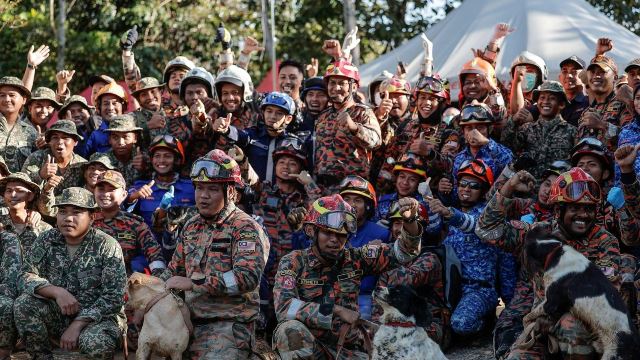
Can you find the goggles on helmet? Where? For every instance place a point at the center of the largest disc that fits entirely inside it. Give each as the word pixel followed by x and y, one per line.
pixel 292 142
pixel 204 170
pixel 475 112
pixel 430 84
pixel 337 220
pixel 167 139
pixel 477 168
pixel 354 182
pixel 590 143
pixel 576 190
pixel 558 167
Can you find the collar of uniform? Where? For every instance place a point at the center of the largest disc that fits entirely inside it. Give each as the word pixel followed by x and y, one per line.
pixel 222 215
pixel 163 185
pixel 606 101
pixel 59 240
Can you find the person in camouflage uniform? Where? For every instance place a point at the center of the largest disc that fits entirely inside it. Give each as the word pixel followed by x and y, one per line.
pixel 575 222
pixel 21 196
pixel 17 138
pixel 10 267
pixel 126 154
pixel 77 110
pixel 548 138
pixel 316 289
pixel 58 166
pixel 40 108
pixel 150 115
pixel 218 262
pixel 73 285
pixel 131 232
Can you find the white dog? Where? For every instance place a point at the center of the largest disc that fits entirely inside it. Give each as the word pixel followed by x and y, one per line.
pixel 166 327
pixel 575 285
pixel 401 335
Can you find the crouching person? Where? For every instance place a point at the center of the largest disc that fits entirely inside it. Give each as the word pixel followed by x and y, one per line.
pixel 316 289
pixel 73 283
pixel 10 266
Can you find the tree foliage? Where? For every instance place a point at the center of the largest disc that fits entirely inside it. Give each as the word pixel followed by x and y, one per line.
pixel 626 13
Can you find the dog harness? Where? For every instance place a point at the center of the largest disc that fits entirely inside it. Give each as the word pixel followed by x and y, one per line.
pixel 186 315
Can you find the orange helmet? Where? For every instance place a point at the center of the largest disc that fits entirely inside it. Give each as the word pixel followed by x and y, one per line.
pixel 482 67
pixel 412 163
pixel 477 169
pixel 354 184
pixel 395 85
pixel 575 187
pixel 332 213
pixel 342 68
pixel 115 90
pixel 168 142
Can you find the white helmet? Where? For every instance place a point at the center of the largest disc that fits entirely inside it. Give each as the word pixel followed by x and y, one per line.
pixel 237 76
pixel 197 75
pixel 526 57
pixel 385 75
pixel 180 62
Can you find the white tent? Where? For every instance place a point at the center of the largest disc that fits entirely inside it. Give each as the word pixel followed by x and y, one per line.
pixel 551 29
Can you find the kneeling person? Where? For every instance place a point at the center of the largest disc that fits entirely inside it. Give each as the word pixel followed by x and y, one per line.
pixel 74 283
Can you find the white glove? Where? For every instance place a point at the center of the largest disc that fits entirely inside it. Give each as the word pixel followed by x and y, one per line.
pixel 350 42
pixel 427 45
pixel 424 189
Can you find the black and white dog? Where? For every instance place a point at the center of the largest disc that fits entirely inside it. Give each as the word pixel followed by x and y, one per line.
pixel 574 284
pixel 401 335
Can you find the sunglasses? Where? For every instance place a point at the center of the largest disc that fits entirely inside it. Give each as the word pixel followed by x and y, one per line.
pixel 473 185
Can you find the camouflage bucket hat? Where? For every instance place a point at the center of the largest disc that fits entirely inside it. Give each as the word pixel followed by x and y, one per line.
pixel 21 178
pixel 123 123
pixel 44 93
pixel 4 169
pixel 76 196
pixel 552 87
pixel 114 178
pixel 16 83
pixel 63 126
pixel 74 99
pixel 146 84
pixel 98 158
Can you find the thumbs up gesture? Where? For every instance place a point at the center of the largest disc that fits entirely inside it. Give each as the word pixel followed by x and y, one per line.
pixel 139 162
pixel 197 108
pixel 345 119
pixel 167 198
pixel 41 143
pixel 144 192
pixel 222 124
pixel 49 168
pixel 385 107
pixel 421 146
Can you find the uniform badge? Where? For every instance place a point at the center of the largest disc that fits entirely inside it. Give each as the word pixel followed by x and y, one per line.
pixel 288 282
pixel 371 252
pixel 246 246
pixel 607 271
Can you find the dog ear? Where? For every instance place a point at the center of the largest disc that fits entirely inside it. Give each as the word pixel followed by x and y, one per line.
pixel 422 311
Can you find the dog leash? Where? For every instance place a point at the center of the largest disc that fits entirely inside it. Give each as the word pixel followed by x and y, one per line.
pixel 361 325
pixel 186 315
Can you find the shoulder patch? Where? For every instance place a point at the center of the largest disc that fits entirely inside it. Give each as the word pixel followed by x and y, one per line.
pixel 288 282
pixel 370 251
pixel 246 246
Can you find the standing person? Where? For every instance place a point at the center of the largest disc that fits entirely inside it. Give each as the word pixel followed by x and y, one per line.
pixel 528 71
pixel 17 138
pixel 577 101
pixel 150 115
pixel 478 82
pixel 40 108
pixel 316 290
pixel 10 269
pixel 630 134
pixel 74 282
pixel 218 262
pixel 316 100
pixel 234 89
pixel 290 78
pixel 125 152
pixel 77 110
pixel 347 132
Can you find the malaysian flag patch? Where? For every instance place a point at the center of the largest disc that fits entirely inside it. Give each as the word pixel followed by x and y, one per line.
pixel 246 246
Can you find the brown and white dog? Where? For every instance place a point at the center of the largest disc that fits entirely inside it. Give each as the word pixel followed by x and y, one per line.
pixel 165 331
pixel 575 285
pixel 401 335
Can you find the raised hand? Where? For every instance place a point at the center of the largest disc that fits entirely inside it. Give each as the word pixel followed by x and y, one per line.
pixel 129 38
pixel 502 30
pixel 222 124
pixel 157 121
pixel 332 48
pixel 49 168
pixel 409 208
pixel 139 161
pixel 312 68
pixel 386 104
pixel 41 143
pixel 603 45
pixel 35 58
pixel 626 156
pixel 522 182
pixel 63 78
pixel 144 192
pixel 251 45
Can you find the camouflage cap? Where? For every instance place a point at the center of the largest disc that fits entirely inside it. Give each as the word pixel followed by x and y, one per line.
pixel 74 99
pixel 604 62
pixel 76 196
pixel 21 178
pixel 44 93
pixel 114 178
pixel 4 169
pixel 146 84
pixel 98 158
pixel 552 87
pixel 16 83
pixel 632 63
pixel 63 126
pixel 123 123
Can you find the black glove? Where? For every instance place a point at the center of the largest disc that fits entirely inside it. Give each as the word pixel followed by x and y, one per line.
pixel 129 38
pixel 223 36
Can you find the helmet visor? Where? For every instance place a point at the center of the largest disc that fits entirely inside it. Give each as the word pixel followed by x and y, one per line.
pixel 337 221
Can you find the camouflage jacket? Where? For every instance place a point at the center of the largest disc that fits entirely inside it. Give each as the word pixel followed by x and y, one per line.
pixel 72 175
pixel 599 246
pixel 230 251
pixel 134 236
pixel 142 117
pixel 306 288
pixel 630 219
pixel 28 234
pixel 95 275
pixel 10 264
pixel 613 111
pixel 16 143
pixel 129 173
pixel 339 152
pixel 543 140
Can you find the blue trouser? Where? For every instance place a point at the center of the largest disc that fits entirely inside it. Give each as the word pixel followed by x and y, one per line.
pixel 476 302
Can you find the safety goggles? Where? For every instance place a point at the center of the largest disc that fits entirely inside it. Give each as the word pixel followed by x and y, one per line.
pixel 169 139
pixel 476 167
pixel 558 167
pixel 338 220
pixel 574 191
pixel 430 84
pixel 473 185
pixel 354 182
pixel 292 142
pixel 590 143
pixel 210 169
pixel 475 112
pixel 411 160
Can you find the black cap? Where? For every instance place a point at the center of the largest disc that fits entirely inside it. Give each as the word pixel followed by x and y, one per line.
pixel 574 59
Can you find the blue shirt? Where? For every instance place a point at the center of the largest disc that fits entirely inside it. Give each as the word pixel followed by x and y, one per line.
pixel 98 141
pixel 183 191
pixel 630 135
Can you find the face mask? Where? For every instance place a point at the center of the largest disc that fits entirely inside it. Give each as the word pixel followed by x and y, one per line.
pixel 529 81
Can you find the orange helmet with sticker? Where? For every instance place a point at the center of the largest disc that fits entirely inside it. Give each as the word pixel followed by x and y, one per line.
pixel 112 89
pixel 478 169
pixel 342 68
pixel 332 213
pixel 354 184
pixel 395 85
pixel 216 167
pixel 575 187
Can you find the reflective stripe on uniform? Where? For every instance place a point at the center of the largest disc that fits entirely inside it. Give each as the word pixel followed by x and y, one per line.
pixel 230 282
pixel 294 307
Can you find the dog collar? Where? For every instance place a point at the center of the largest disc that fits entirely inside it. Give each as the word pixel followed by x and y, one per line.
pixel 404 324
pixel 548 259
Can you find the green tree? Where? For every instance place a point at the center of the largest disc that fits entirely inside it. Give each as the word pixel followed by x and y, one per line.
pixel 625 13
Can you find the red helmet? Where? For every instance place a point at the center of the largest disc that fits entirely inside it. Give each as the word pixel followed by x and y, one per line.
pixel 575 187
pixel 354 184
pixel 168 142
pixel 332 213
pixel 395 85
pixel 342 68
pixel 412 163
pixel 433 85
pixel 477 169
pixel 291 146
pixel 216 167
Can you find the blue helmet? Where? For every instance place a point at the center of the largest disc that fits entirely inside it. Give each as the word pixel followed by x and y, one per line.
pixel 281 100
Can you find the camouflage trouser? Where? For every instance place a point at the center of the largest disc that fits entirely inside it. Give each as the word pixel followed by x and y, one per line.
pixel 293 341
pixel 7 327
pixel 509 324
pixel 225 340
pixel 40 320
pixel 476 303
pixel 629 288
pixel 574 340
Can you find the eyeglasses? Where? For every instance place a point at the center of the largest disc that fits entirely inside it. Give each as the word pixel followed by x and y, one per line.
pixel 476 167
pixel 430 83
pixel 475 112
pixel 337 220
pixel 574 191
pixel 210 169
pixel 473 185
pixel 354 182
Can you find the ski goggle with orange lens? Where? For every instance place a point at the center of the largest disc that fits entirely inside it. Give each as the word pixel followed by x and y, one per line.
pixel 576 190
